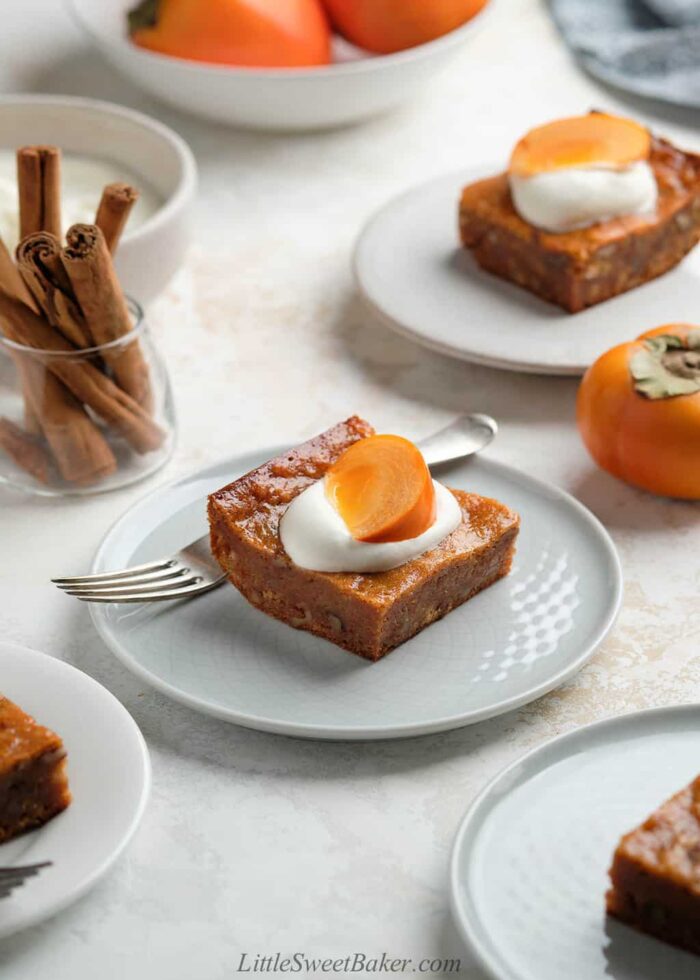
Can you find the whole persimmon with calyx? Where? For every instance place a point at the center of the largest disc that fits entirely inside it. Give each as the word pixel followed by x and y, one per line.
pixel 250 33
pixel 382 488
pixel 638 411
pixel 387 26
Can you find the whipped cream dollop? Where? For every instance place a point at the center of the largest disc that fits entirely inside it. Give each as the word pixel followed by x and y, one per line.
pixel 315 536
pixel 577 197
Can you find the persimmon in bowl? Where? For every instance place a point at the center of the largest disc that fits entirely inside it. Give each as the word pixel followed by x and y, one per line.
pixel 319 84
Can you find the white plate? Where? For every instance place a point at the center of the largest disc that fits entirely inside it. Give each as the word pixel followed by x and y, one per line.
pixel 109 774
pixel 508 645
pixel 530 862
pixel 412 271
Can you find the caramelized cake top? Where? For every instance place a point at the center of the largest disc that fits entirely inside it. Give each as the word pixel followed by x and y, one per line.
pixel 256 501
pixel 22 738
pixel 667 844
pixel 251 507
pixel 677 175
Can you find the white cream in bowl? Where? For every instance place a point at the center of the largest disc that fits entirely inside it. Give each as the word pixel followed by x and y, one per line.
pixel 82 182
pixel 140 149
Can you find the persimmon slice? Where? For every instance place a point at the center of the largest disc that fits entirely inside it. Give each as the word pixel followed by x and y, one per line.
pixel 581 141
pixel 382 488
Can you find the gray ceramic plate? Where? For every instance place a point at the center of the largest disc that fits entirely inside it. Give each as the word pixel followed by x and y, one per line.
pixel 529 867
pixel 411 270
pixel 507 646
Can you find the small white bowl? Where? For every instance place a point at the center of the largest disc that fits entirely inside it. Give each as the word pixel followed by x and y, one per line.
pixel 149 255
pixel 271 98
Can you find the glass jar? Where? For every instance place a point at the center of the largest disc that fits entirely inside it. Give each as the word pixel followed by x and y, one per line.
pixel 84 421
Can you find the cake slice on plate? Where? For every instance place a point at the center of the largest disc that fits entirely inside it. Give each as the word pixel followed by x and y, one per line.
pixel 371 552
pixel 655 873
pixel 33 782
pixel 590 207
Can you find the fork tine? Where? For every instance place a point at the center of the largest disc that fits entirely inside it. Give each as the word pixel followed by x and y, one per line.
pixel 191 571
pixel 181 593
pixel 151 566
pixel 26 869
pixel 191 578
pixel 10 881
pixel 11 878
pixel 162 577
pixel 7 884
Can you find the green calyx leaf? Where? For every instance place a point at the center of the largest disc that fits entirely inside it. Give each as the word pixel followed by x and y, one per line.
pixel 663 342
pixel 666 366
pixel 143 15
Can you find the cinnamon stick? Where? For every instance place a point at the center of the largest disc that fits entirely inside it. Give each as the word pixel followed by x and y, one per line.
pixel 91 272
pixel 113 212
pixel 82 378
pixel 41 269
pixel 12 282
pixel 25 450
pixel 83 455
pixel 39 182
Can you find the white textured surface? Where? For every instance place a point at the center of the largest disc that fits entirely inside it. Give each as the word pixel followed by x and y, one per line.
pixel 254 842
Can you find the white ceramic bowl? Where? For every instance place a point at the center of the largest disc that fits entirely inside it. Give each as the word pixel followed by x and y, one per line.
pixel 150 254
pixel 274 99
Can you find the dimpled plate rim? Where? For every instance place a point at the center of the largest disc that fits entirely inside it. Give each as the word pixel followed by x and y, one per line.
pixel 242 463
pixel 38 845
pixel 519 772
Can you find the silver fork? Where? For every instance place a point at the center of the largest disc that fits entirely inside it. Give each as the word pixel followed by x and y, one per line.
pixel 190 572
pixel 11 878
pixel 194 570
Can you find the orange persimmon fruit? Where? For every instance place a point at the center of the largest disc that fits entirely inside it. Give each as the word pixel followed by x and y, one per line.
pixel 581 141
pixel 382 488
pixel 638 411
pixel 251 33
pixel 386 26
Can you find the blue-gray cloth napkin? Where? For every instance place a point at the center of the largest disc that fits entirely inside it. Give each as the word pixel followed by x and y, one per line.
pixel 650 47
